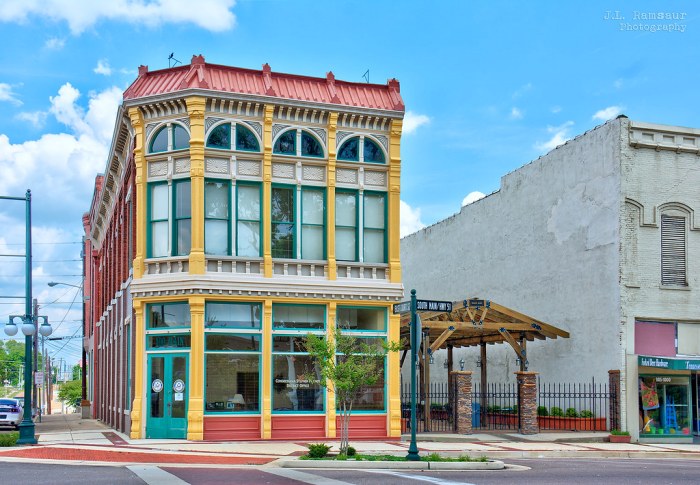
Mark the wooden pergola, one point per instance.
(475, 322)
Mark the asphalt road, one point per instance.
(534, 472)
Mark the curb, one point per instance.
(394, 465)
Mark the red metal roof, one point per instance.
(265, 83)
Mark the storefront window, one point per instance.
(367, 319)
(296, 384)
(233, 379)
(168, 315)
(298, 316)
(664, 406)
(232, 315)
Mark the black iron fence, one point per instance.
(561, 406)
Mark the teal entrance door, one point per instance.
(168, 391)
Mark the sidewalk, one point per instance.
(67, 438)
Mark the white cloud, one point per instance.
(560, 134)
(6, 94)
(35, 118)
(213, 15)
(608, 113)
(103, 68)
(522, 90)
(55, 44)
(555, 109)
(411, 122)
(472, 197)
(618, 83)
(410, 219)
(516, 114)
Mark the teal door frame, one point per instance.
(168, 392)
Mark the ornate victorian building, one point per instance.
(239, 211)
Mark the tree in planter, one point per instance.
(349, 365)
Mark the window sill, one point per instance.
(674, 287)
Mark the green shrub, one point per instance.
(515, 409)
(555, 411)
(542, 411)
(351, 451)
(318, 450)
(493, 409)
(9, 439)
(617, 432)
(571, 413)
(585, 413)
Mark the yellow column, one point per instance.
(394, 226)
(140, 197)
(331, 431)
(267, 370)
(330, 228)
(139, 359)
(196, 107)
(394, 378)
(195, 406)
(267, 191)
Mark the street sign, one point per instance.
(39, 378)
(476, 303)
(433, 306)
(403, 307)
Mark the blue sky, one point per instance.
(488, 87)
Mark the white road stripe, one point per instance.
(303, 477)
(408, 476)
(153, 475)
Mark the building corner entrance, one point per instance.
(168, 395)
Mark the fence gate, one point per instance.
(435, 409)
(496, 407)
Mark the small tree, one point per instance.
(70, 393)
(349, 365)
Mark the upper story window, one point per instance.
(369, 229)
(169, 137)
(161, 212)
(308, 146)
(168, 315)
(673, 250)
(286, 225)
(244, 139)
(351, 150)
(283, 230)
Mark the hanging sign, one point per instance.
(157, 385)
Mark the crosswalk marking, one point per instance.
(304, 477)
(153, 475)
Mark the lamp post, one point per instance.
(29, 321)
(83, 362)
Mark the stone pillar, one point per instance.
(527, 395)
(462, 382)
(614, 399)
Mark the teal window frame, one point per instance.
(258, 221)
(171, 132)
(380, 332)
(149, 323)
(379, 150)
(281, 222)
(255, 307)
(314, 138)
(356, 227)
(152, 221)
(176, 127)
(342, 148)
(227, 218)
(276, 306)
(230, 137)
(304, 224)
(366, 229)
(275, 149)
(154, 138)
(241, 127)
(383, 410)
(322, 389)
(177, 219)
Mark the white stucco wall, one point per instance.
(545, 244)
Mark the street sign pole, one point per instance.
(413, 448)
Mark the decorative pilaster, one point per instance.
(614, 390)
(394, 377)
(195, 407)
(139, 359)
(331, 428)
(266, 371)
(141, 191)
(196, 106)
(527, 390)
(267, 191)
(330, 216)
(394, 226)
(462, 384)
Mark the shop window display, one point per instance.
(664, 406)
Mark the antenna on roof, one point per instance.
(172, 62)
(366, 76)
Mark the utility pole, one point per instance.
(35, 305)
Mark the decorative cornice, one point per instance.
(662, 137)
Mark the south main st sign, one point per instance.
(424, 305)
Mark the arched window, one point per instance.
(245, 140)
(220, 137)
(310, 147)
(286, 144)
(371, 152)
(350, 150)
(162, 141)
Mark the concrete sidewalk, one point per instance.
(69, 438)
